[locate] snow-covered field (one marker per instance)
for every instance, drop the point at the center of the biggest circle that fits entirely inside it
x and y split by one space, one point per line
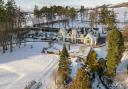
19 68
27 64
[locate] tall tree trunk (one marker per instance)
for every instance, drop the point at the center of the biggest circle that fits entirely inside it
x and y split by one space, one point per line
11 36
72 23
4 48
11 44
59 21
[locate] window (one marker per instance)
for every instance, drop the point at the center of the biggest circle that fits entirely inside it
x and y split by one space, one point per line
88 41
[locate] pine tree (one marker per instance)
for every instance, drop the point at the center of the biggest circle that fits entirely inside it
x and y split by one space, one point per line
2 10
37 13
107 17
9 23
111 21
92 61
65 52
10 18
101 67
64 66
115 50
82 9
72 15
10 11
82 80
2 25
103 15
92 18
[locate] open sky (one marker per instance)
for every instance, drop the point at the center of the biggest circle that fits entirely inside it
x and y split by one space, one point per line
29 4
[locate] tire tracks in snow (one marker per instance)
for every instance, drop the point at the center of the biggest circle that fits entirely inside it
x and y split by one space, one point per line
47 74
20 75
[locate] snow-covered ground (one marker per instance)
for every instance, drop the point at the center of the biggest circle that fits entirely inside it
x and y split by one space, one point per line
74 67
26 64
97 84
124 63
19 68
101 52
122 75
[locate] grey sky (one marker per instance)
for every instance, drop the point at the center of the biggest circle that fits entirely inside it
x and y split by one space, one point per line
29 4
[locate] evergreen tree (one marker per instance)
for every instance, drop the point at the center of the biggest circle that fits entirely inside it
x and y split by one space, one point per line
64 66
72 14
107 17
2 11
92 18
111 21
82 80
101 67
82 9
92 61
37 13
10 18
103 15
10 12
115 50
65 52
10 22
2 25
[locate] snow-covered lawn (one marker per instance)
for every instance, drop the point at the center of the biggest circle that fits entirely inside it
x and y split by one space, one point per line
74 67
26 64
124 63
101 52
19 68
122 75
97 84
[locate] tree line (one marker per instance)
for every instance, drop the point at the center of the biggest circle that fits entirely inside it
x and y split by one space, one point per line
91 16
87 15
11 20
52 11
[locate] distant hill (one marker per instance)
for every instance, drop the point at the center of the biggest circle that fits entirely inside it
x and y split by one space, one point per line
125 4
